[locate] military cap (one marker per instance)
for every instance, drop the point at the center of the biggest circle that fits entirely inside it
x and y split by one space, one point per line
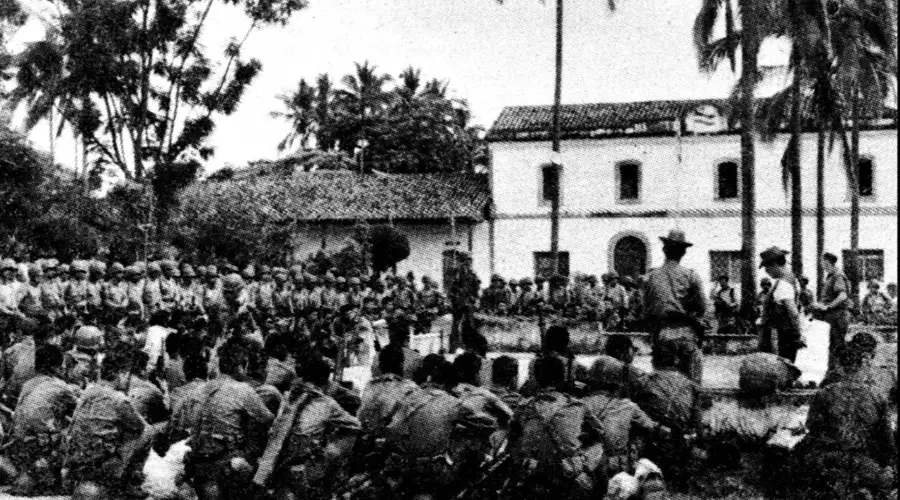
35 270
88 337
175 272
355 281
50 264
64 268
188 271
341 280
8 264
132 270
297 271
765 281
168 265
329 278
312 279
248 272
116 268
525 281
233 282
229 268
264 270
98 266
80 266
201 271
154 267
280 270
211 270
770 254
141 267
512 282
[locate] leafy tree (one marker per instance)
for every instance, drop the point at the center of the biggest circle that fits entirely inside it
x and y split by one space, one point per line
388 246
132 81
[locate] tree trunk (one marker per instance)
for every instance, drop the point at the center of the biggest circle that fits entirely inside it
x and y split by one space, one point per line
853 265
555 139
796 175
747 84
820 212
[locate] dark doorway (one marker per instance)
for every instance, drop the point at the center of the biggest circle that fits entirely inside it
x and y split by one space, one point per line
630 257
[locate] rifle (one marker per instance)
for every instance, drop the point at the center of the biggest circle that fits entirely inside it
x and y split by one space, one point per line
492 469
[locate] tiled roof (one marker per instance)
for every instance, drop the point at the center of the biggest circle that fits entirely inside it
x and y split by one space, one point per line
349 196
606 119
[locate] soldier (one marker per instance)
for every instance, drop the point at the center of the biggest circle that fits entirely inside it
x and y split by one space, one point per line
529 300
467 367
230 414
146 397
725 303
556 345
115 295
559 298
44 405
76 292
505 381
30 300
398 335
780 311
341 290
263 298
153 289
18 362
52 291
881 378
675 306
96 275
555 442
384 393
190 293
833 307
135 292
514 294
81 364
281 294
104 432
310 440
168 285
806 296
185 404
850 448
463 296
620 417
429 431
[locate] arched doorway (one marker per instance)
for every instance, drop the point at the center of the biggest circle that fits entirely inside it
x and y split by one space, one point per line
630 256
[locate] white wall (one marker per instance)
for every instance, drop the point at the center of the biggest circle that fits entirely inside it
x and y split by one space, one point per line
686 193
426 241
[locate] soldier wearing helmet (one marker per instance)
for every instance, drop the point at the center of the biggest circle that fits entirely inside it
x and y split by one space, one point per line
9 303
30 298
153 289
168 285
96 275
262 297
115 295
52 291
190 292
281 295
135 291
77 291
81 364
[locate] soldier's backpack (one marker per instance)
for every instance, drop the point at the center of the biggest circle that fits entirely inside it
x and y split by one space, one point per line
764 373
667 397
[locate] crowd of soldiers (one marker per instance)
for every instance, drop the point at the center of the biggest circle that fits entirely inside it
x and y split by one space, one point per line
248 372
613 301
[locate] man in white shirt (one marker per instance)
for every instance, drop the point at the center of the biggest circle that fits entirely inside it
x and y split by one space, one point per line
780 312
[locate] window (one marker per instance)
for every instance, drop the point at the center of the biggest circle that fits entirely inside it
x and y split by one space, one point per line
870 265
543 264
727 180
548 183
725 263
629 176
866 177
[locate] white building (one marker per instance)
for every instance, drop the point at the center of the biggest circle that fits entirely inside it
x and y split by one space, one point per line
633 171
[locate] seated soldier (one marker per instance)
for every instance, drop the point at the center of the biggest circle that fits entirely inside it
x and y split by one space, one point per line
185 403
556 345
882 379
105 431
622 420
555 442
310 440
398 332
467 367
384 393
35 443
505 381
850 451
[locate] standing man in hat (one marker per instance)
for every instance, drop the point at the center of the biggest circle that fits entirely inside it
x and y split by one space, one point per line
76 294
52 291
675 306
115 295
463 295
780 312
833 307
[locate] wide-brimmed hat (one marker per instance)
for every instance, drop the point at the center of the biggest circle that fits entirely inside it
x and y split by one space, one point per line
676 237
770 254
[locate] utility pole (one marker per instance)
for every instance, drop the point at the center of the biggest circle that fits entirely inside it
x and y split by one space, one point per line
554 138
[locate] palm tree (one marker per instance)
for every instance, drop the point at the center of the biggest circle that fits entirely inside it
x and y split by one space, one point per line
324 113
754 22
865 63
410 84
362 98
300 111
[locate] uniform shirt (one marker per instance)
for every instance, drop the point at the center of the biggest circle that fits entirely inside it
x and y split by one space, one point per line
77 293
95 294
617 416
880 379
103 415
9 303
668 397
147 399
300 299
668 289
835 283
185 403
51 295
43 406
426 420
281 301
152 295
848 416
567 418
264 296
512 399
483 400
30 302
18 366
380 401
784 291
115 295
412 361
136 297
320 418
228 409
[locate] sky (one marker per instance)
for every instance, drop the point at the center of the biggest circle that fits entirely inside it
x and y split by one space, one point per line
493 55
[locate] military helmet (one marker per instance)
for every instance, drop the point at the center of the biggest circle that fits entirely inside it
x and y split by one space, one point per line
297 271
116 268
341 280
233 282
35 270
212 270
264 270
248 273
188 271
80 266
355 281
98 266
525 282
154 267
8 265
88 337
